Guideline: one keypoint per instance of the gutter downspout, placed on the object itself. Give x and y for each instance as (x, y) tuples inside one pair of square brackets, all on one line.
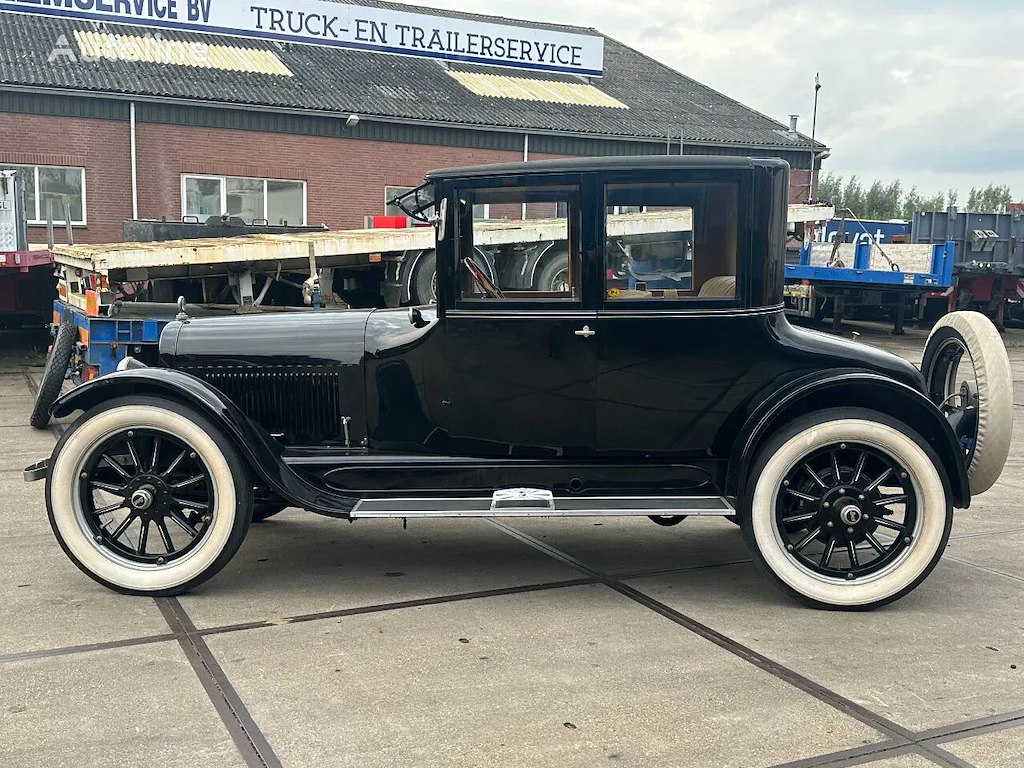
[(135, 183), (526, 157)]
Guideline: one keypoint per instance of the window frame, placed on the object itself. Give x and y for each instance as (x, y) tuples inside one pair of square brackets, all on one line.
[(38, 220), (576, 230), (682, 304), (223, 179)]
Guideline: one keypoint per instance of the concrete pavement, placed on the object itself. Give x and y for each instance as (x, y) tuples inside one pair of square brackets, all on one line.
[(471, 643)]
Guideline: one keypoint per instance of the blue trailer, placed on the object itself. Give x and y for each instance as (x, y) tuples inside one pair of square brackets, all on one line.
[(832, 278)]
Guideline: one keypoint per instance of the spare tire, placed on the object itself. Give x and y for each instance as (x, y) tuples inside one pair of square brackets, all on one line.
[(985, 386)]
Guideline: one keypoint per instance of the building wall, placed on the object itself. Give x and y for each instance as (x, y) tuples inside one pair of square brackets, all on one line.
[(99, 146), (345, 177)]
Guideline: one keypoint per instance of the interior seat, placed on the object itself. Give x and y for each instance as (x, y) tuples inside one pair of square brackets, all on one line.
[(723, 286)]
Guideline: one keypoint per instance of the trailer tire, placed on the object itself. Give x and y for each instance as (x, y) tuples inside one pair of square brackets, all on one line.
[(54, 372), (974, 333), (553, 274), (423, 282)]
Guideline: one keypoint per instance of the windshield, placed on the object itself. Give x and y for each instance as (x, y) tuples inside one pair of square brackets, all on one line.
[(417, 203)]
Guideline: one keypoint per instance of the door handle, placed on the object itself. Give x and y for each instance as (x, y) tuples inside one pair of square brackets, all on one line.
[(585, 332)]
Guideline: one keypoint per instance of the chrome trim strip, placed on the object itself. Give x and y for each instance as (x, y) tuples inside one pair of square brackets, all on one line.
[(625, 314)]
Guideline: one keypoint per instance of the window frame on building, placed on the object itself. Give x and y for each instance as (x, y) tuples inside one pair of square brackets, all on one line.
[(223, 180), (38, 219)]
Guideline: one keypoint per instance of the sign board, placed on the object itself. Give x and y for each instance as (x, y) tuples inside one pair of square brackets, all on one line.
[(853, 232), (318, 22)]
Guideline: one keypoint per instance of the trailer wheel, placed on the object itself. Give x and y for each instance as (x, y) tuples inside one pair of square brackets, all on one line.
[(423, 283), (54, 372), (553, 274)]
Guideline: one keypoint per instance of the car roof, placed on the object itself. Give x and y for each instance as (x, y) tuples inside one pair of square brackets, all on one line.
[(585, 164)]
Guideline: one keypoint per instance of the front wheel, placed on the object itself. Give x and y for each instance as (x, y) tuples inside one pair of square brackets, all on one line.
[(847, 509), (147, 496)]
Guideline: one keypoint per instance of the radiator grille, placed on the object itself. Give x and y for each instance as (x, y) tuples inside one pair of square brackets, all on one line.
[(302, 403)]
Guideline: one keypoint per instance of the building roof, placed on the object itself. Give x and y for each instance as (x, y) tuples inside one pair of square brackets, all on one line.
[(638, 98)]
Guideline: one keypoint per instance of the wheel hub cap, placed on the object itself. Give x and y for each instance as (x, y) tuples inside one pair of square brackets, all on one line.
[(142, 498), (851, 514)]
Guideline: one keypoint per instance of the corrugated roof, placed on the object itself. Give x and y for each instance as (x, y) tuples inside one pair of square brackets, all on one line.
[(659, 101), (529, 89), (159, 50)]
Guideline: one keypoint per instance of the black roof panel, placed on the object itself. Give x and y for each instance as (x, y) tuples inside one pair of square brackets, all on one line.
[(585, 164)]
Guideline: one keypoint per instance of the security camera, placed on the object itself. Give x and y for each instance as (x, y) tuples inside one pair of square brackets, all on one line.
[(352, 121)]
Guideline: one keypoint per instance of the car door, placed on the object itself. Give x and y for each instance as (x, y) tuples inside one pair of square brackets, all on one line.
[(518, 332), (670, 336)]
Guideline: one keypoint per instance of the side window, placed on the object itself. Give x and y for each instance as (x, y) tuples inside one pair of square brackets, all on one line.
[(519, 243), (670, 241)]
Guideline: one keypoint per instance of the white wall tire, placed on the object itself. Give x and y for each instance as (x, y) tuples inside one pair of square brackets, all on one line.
[(73, 520), (974, 333), (880, 436)]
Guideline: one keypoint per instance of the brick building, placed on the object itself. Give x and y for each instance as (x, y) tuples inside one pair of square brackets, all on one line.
[(302, 134)]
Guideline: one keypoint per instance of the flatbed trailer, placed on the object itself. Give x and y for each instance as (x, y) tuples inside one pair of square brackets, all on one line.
[(831, 278)]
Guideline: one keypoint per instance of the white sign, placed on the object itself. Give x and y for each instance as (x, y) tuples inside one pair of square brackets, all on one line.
[(317, 22)]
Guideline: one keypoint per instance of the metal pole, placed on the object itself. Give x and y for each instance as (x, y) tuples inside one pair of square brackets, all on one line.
[(526, 158), (135, 183), (814, 129)]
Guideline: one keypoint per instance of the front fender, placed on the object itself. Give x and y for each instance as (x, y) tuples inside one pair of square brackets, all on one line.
[(852, 388), (262, 452)]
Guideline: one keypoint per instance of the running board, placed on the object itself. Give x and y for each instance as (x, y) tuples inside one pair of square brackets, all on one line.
[(531, 502)]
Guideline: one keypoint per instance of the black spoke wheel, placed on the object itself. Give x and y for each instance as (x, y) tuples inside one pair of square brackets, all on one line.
[(147, 496), (846, 511), (846, 508)]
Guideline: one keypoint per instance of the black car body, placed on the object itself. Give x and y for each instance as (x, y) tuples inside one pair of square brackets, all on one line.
[(650, 389)]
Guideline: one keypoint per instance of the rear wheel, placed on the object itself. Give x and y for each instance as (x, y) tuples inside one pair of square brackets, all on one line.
[(147, 497), (849, 509), (54, 373)]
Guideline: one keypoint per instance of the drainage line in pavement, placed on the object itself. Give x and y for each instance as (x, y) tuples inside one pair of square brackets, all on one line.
[(248, 738), (973, 727), (984, 568), (983, 534), (899, 737), (72, 649), (833, 699), (869, 753)]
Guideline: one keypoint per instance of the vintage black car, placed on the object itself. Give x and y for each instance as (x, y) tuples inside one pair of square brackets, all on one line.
[(657, 376)]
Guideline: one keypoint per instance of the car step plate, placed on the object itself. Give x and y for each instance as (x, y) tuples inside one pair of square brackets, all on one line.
[(536, 502)]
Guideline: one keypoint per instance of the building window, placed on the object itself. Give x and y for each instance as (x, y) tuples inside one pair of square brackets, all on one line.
[(43, 182), (278, 201)]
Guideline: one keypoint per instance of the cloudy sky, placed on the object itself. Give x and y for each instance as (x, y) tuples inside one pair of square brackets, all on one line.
[(927, 91)]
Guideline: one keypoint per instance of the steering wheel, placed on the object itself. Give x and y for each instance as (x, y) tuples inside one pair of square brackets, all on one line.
[(490, 288)]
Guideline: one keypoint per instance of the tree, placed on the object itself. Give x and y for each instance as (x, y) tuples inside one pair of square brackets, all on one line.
[(888, 201), (989, 199)]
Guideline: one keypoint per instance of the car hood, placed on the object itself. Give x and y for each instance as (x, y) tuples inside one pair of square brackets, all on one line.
[(304, 337)]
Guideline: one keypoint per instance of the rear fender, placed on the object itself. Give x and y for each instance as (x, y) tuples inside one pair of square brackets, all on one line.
[(853, 388), (261, 451)]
